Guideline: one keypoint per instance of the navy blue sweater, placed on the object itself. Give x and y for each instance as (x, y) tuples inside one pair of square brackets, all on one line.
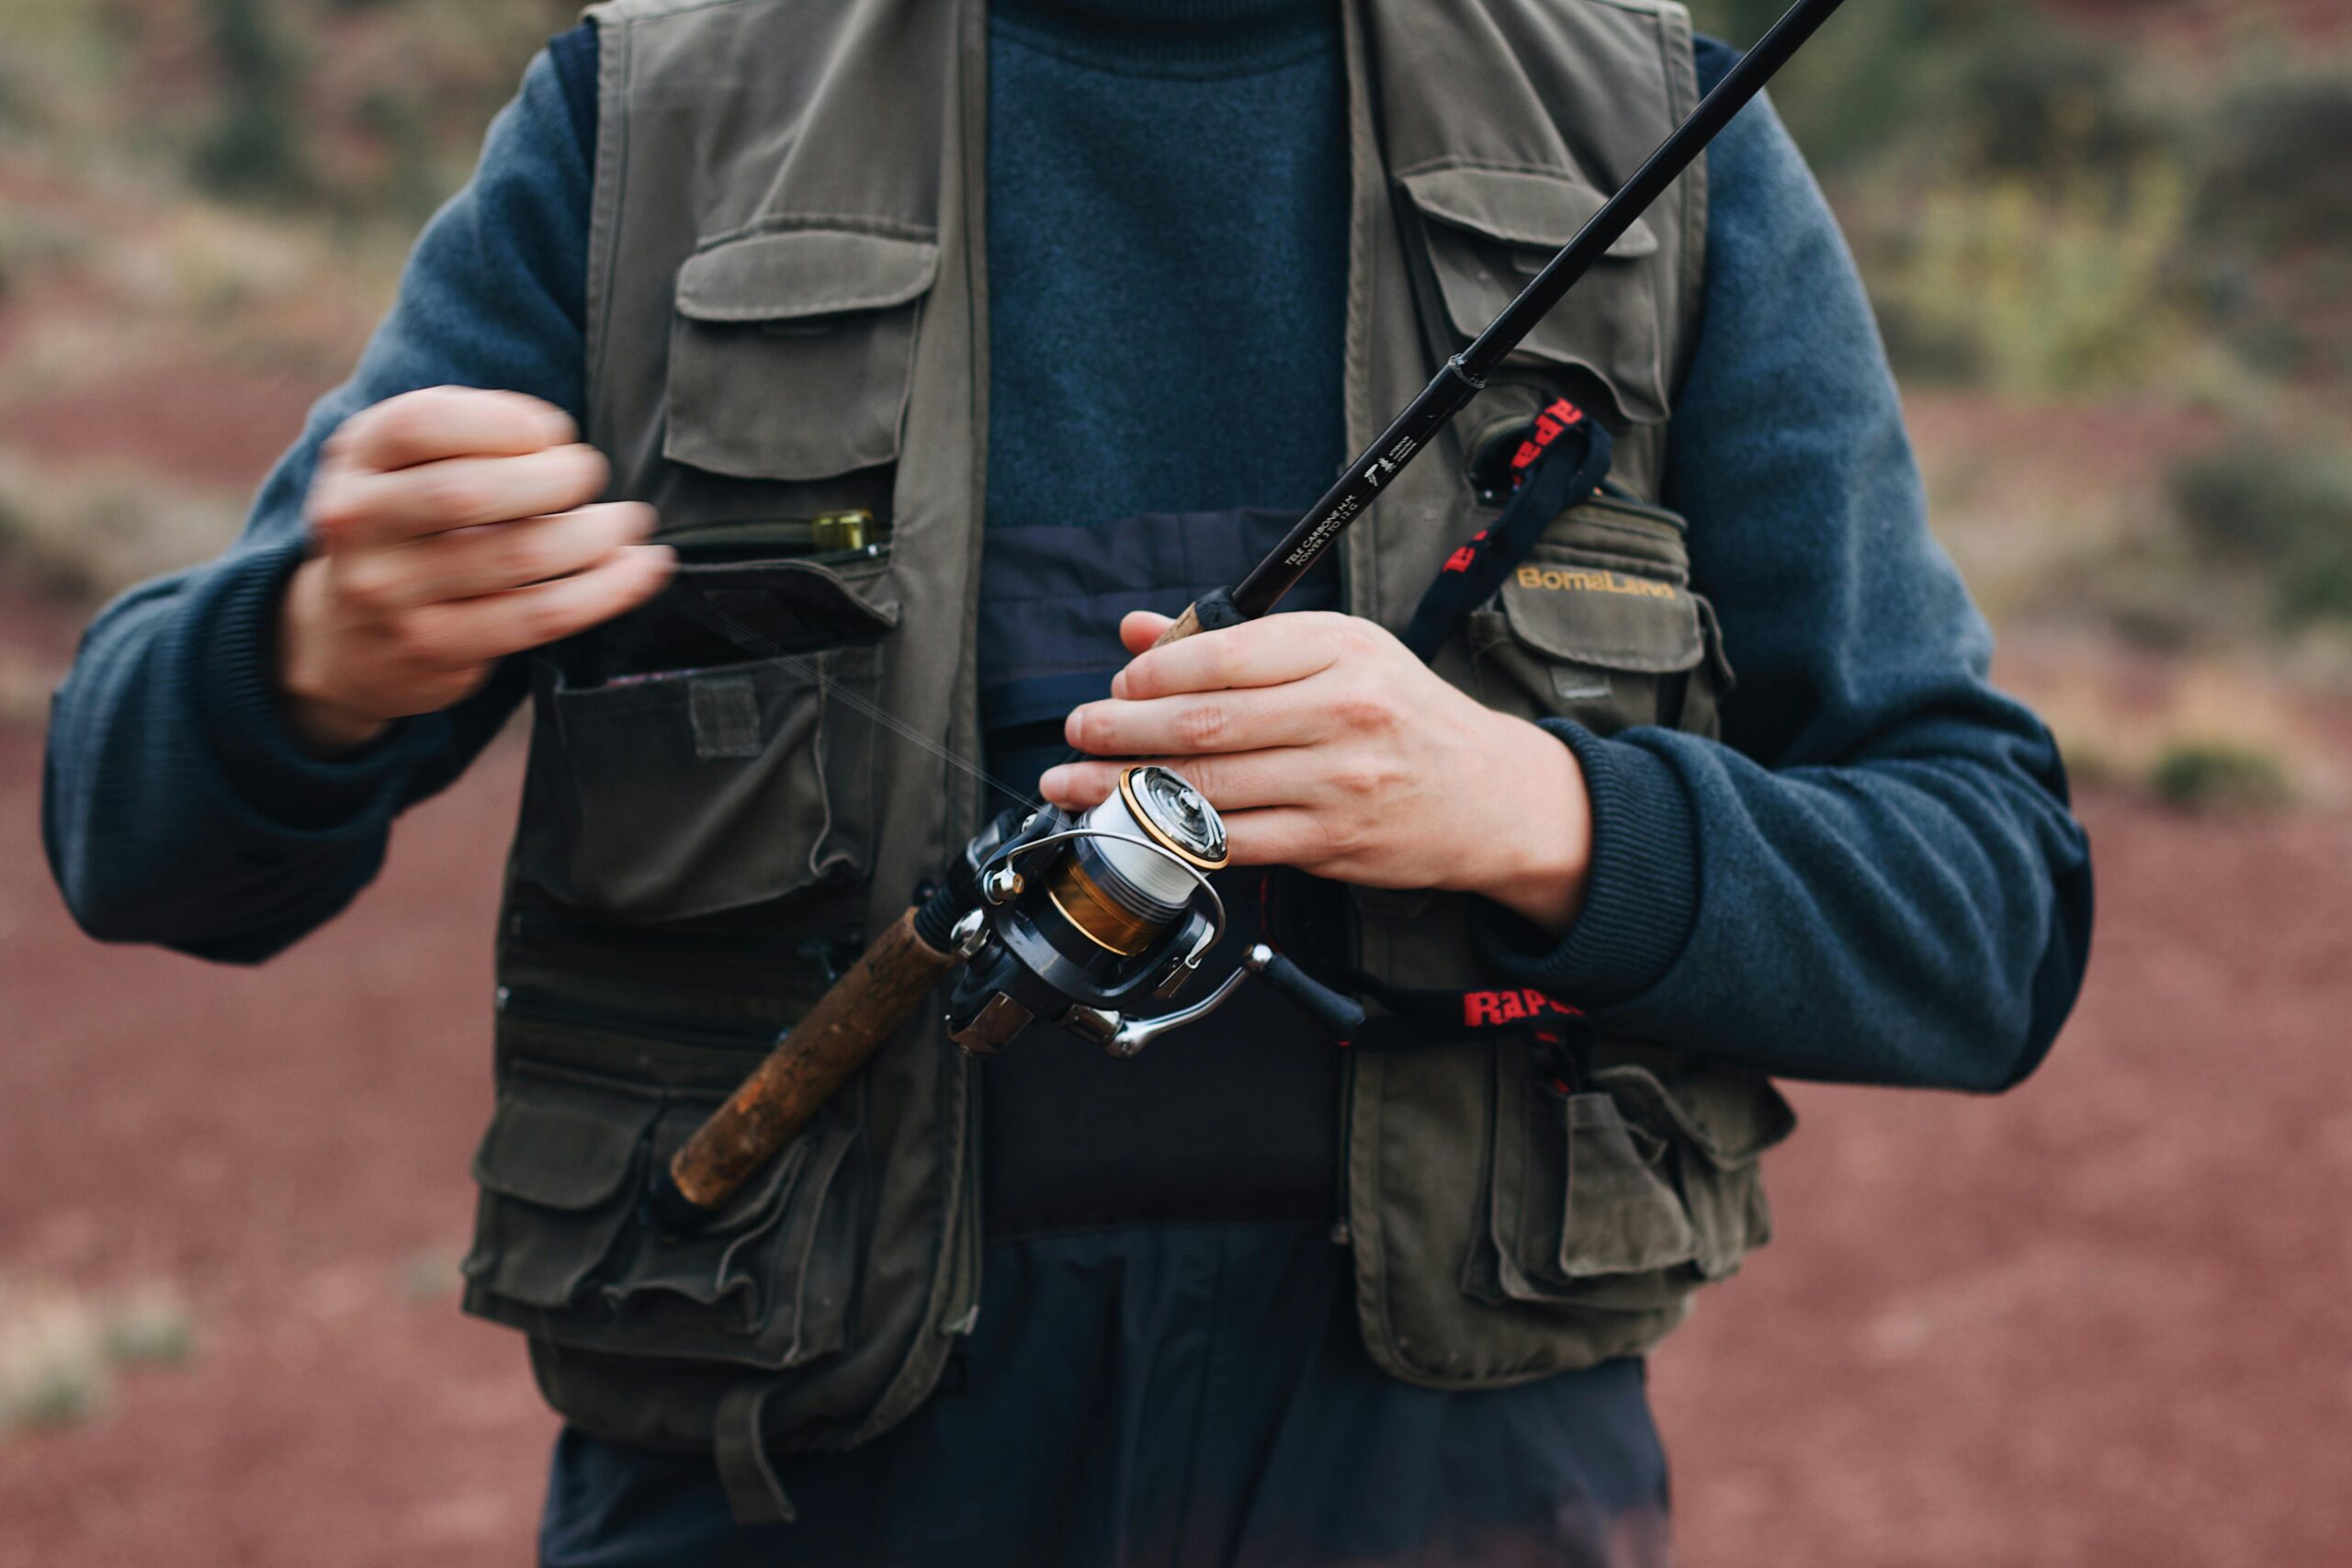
[(1874, 877)]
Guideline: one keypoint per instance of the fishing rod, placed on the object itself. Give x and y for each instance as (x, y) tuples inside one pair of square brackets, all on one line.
[(1072, 920)]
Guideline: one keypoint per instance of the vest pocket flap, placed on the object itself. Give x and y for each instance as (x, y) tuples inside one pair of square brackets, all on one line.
[(1589, 612), (561, 1145), (1520, 207), (1581, 1194), (1489, 231), (801, 273), (1730, 1116), (791, 352)]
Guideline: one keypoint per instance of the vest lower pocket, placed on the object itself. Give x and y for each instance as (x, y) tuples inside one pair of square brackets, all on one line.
[(565, 1248), (1627, 1194)]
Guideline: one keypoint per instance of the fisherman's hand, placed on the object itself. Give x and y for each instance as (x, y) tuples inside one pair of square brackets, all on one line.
[(1326, 745), (449, 528)]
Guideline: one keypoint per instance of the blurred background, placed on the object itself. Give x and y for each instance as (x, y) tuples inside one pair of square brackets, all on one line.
[(2107, 1319)]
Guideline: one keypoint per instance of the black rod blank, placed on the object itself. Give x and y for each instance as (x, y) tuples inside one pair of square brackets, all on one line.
[(1466, 374)]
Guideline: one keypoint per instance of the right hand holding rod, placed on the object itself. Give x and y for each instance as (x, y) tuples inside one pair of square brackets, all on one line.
[(449, 528)]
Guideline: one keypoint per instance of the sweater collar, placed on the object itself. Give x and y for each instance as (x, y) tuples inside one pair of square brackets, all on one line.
[(1174, 37)]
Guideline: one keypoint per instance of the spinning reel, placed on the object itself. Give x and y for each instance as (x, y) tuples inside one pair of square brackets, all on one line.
[(1081, 918)]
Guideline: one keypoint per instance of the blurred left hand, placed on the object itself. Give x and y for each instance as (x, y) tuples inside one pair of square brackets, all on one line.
[(1326, 746)]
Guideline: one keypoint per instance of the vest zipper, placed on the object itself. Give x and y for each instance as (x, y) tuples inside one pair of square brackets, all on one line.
[(538, 1006), (1342, 1233)]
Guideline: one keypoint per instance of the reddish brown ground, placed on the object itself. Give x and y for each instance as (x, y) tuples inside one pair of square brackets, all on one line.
[(2106, 1320)]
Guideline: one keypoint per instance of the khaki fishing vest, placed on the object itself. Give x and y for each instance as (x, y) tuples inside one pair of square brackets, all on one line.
[(787, 321)]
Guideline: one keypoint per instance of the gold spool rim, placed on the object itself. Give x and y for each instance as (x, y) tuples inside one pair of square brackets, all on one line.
[(1153, 830)]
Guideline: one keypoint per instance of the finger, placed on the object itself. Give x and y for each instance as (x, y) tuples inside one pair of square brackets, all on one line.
[(1238, 781), (450, 422), (1244, 720), (499, 556), (1139, 630), (1281, 835), (1079, 786), (370, 510), (474, 631), (1266, 652)]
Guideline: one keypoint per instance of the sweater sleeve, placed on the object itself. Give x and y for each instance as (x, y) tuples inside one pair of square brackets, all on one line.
[(177, 808), (1874, 876)]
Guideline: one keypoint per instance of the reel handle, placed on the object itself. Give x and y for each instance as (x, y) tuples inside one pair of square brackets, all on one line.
[(863, 1008), (1338, 1016)]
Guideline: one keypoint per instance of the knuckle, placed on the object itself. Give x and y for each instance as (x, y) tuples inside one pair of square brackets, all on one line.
[(1365, 708), (332, 508), (1201, 724), (414, 639), (523, 559), (366, 586), (1358, 778), (454, 496), (398, 423), (1334, 839)]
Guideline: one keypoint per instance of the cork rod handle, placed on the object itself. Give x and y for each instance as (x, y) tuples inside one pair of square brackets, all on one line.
[(863, 1008)]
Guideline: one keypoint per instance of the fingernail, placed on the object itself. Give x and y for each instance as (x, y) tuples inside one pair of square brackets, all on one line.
[(1052, 780), (1119, 684)]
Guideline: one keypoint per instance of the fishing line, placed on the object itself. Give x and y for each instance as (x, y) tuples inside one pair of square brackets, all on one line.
[(736, 632)]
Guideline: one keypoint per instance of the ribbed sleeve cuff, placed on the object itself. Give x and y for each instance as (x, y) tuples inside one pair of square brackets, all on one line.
[(1642, 895), (231, 681)]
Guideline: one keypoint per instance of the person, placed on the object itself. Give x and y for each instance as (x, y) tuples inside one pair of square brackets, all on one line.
[(937, 354)]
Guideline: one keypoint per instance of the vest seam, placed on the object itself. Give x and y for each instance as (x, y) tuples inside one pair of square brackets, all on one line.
[(820, 223), (608, 194)]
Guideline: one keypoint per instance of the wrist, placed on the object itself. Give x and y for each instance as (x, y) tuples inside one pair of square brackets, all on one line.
[(325, 727), (1541, 826)]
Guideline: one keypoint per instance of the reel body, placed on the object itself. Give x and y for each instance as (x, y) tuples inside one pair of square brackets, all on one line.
[(1081, 918)]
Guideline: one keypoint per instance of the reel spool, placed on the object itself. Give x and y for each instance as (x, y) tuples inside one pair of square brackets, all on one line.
[(1078, 918)]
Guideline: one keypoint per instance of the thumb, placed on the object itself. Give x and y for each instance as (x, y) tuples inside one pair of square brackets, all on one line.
[(1140, 628)]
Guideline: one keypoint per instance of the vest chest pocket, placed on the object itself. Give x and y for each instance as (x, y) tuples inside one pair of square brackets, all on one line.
[(791, 351), (671, 779), (1488, 232), (1598, 625)]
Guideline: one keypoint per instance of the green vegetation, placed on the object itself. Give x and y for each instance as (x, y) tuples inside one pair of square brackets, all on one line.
[(2211, 775), (86, 536), (362, 110), (2282, 511), (59, 1349), (255, 146), (2059, 209)]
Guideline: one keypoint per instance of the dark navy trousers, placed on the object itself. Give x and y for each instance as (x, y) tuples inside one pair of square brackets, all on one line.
[(1165, 1397)]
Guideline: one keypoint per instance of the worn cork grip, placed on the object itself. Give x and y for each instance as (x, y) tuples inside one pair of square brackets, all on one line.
[(1212, 612), (1186, 624), (864, 1006)]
